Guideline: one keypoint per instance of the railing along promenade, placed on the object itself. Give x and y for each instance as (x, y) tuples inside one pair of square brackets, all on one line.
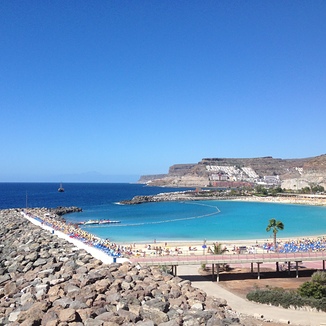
[(258, 258), (192, 259)]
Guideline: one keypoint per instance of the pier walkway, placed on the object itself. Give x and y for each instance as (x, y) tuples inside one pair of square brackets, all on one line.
[(229, 259)]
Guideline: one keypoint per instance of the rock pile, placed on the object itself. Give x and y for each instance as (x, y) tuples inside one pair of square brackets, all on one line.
[(45, 280), (65, 210), (178, 196)]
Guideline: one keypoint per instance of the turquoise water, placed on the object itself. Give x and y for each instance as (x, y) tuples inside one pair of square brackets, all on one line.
[(210, 220), (185, 221)]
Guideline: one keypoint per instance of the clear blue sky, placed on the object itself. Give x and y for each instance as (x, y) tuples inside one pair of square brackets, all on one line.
[(126, 88)]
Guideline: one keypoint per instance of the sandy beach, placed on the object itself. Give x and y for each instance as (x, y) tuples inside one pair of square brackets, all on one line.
[(301, 199), (196, 248)]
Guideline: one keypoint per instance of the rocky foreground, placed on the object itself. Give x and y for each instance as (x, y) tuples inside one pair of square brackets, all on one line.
[(45, 280)]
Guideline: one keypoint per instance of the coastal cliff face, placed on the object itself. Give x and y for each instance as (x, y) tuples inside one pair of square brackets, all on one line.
[(242, 172)]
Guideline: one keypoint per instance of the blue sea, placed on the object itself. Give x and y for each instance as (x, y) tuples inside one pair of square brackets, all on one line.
[(167, 221)]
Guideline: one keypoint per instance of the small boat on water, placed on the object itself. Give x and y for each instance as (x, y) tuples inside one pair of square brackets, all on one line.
[(98, 222), (107, 222), (91, 222), (61, 189)]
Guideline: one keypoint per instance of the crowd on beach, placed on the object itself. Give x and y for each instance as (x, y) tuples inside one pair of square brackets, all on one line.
[(74, 231), (298, 245)]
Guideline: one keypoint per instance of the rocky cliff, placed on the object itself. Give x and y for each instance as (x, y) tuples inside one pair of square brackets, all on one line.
[(237, 172)]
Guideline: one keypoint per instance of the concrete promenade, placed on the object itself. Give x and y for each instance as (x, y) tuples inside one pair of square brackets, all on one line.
[(246, 307)]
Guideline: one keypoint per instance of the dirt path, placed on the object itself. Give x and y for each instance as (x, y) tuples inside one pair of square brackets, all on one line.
[(263, 315)]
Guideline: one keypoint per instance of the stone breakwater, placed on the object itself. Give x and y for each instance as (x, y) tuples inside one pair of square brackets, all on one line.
[(64, 210), (45, 280), (192, 196), (173, 196)]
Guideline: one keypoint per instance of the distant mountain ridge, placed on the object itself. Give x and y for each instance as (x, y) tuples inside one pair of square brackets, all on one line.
[(237, 172)]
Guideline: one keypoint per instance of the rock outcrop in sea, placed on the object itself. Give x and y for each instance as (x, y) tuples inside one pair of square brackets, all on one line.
[(45, 280)]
